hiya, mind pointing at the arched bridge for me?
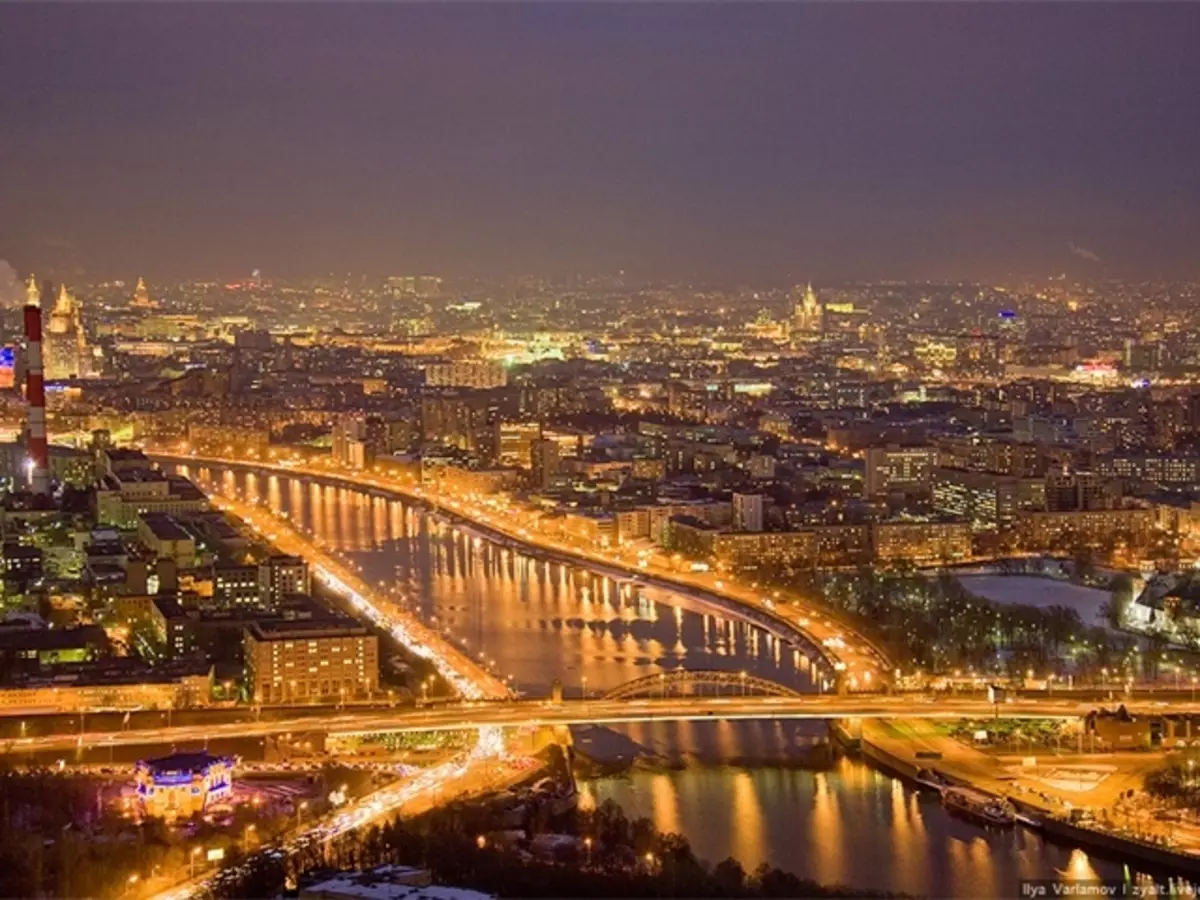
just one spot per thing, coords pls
(699, 682)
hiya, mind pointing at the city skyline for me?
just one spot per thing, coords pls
(735, 142)
(677, 450)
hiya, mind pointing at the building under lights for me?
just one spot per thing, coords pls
(310, 660)
(183, 784)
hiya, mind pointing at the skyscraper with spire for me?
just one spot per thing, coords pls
(141, 296)
(809, 315)
(66, 348)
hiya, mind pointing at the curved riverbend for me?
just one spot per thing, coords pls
(792, 633)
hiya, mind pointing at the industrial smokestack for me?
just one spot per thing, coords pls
(35, 394)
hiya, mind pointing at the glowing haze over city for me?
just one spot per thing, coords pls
(472, 450)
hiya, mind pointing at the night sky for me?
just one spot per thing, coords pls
(717, 141)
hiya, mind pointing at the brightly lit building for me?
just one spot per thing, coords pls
(141, 296)
(309, 660)
(65, 345)
(809, 316)
(183, 784)
(470, 374)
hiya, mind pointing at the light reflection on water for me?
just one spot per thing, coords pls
(541, 620)
(850, 825)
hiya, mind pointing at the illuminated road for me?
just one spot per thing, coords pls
(468, 678)
(843, 653)
(484, 767)
(526, 713)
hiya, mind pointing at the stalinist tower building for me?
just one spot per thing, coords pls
(808, 318)
(65, 346)
(141, 297)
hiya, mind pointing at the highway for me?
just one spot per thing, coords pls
(531, 713)
(484, 767)
(842, 653)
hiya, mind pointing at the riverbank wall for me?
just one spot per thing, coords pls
(908, 765)
(777, 625)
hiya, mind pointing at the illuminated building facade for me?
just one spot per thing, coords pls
(482, 375)
(921, 543)
(898, 468)
(308, 661)
(183, 784)
(1067, 530)
(809, 316)
(65, 345)
(141, 296)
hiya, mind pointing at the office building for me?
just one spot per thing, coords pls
(1071, 491)
(310, 661)
(546, 462)
(280, 577)
(481, 375)
(747, 512)
(986, 500)
(895, 468)
(516, 443)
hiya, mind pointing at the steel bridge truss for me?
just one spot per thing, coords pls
(704, 682)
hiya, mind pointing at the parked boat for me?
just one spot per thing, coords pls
(930, 778)
(979, 806)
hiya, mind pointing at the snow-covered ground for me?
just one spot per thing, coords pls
(1033, 591)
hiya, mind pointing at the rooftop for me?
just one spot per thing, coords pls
(184, 762)
(381, 884)
(119, 454)
(306, 629)
(164, 527)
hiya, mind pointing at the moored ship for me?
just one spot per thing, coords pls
(979, 806)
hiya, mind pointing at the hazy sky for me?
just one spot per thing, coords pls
(726, 140)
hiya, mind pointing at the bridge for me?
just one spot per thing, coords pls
(693, 682)
(599, 711)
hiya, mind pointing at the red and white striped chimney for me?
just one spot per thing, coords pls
(35, 395)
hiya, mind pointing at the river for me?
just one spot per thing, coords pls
(735, 789)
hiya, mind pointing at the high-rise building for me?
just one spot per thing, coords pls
(310, 660)
(465, 419)
(545, 462)
(896, 468)
(747, 512)
(65, 344)
(281, 576)
(141, 296)
(809, 315)
(358, 440)
(985, 499)
(516, 443)
(469, 374)
(1077, 491)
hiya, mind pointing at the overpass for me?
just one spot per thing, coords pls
(599, 711)
(813, 631)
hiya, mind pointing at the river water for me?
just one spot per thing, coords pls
(746, 790)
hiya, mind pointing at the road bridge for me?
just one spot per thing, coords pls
(682, 682)
(596, 711)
